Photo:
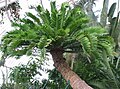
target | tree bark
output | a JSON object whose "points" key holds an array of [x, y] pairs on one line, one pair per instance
{"points": [[75, 81]]}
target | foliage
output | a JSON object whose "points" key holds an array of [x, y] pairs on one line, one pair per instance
{"points": [[114, 29], [24, 73], [65, 28], [7, 86], [109, 77], [22, 76], [21, 79], [97, 74]]}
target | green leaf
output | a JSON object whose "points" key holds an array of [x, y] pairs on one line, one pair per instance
{"points": [[53, 7], [67, 30], [61, 32], [33, 17], [111, 11], [43, 42]]}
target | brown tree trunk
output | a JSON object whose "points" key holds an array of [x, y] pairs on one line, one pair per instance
{"points": [[75, 81]]}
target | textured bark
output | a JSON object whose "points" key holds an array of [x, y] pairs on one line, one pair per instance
{"points": [[75, 81]]}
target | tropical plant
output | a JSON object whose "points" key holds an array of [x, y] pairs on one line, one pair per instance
{"points": [[98, 74], [23, 76], [24, 73], [58, 32], [114, 31]]}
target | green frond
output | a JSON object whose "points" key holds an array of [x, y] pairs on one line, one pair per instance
{"points": [[48, 31], [77, 24], [94, 40], [44, 15], [18, 42], [35, 19], [98, 85], [106, 43], [53, 7], [96, 30], [64, 27], [42, 42], [111, 11], [65, 6]]}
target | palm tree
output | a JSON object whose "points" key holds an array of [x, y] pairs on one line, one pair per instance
{"points": [[57, 32]]}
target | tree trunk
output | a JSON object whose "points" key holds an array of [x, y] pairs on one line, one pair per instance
{"points": [[75, 81]]}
